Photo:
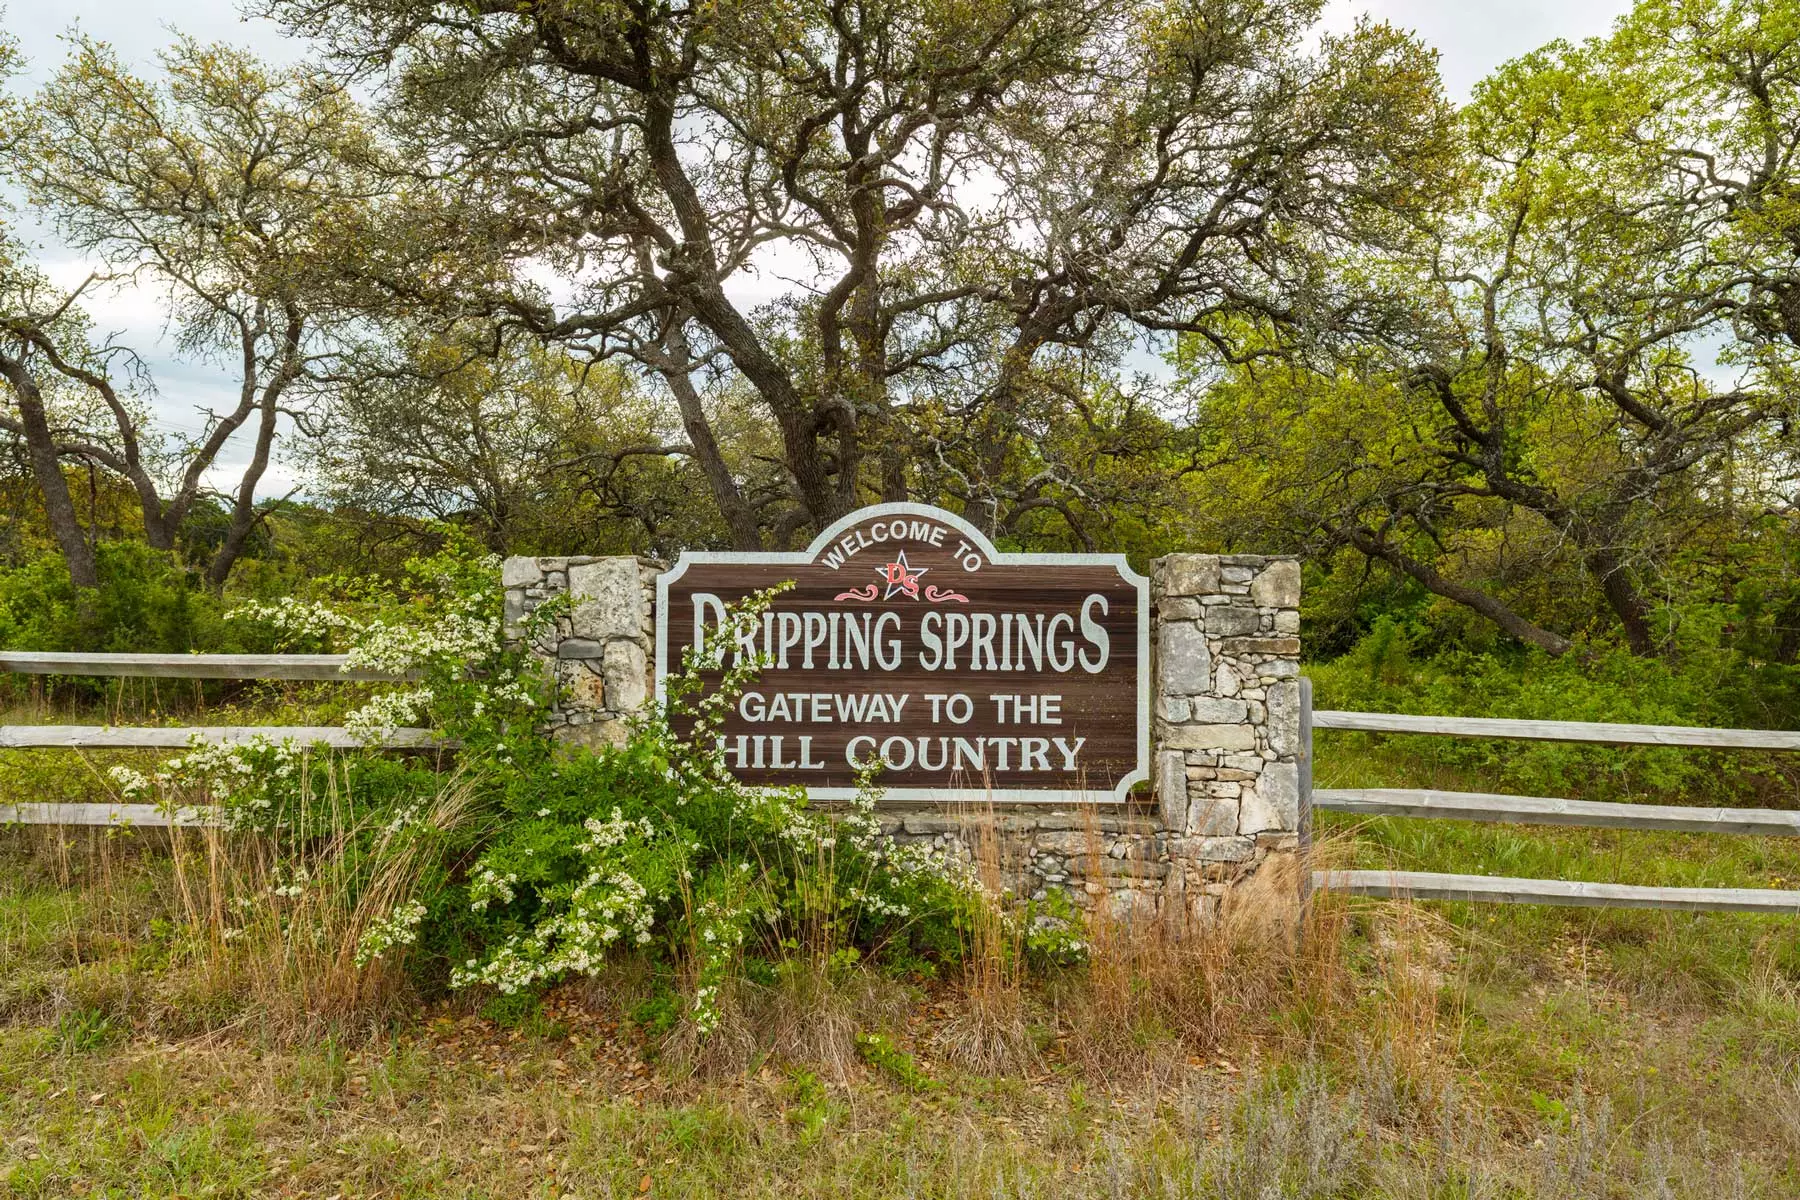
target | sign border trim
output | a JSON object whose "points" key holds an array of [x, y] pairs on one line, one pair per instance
{"points": [[830, 534]]}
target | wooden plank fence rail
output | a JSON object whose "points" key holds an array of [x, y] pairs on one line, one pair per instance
{"points": [[178, 666], [191, 666], [176, 737], [1560, 731], [1430, 885], [126, 815], [1546, 810]]}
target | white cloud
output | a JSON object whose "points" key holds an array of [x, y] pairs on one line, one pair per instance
{"points": [[136, 30]]}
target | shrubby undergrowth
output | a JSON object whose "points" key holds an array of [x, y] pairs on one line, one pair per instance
{"points": [[1400, 668], [561, 859]]}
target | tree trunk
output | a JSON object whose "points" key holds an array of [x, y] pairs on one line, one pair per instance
{"points": [[243, 507], [46, 468], [705, 297], [1623, 597], [740, 518]]}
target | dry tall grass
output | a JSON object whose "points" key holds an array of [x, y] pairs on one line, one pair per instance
{"points": [[277, 922], [989, 1032], [1156, 994]]}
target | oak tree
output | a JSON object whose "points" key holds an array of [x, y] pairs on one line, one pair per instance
{"points": [[225, 190], [869, 210]]}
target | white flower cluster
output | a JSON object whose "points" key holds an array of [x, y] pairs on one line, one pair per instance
{"points": [[457, 636], [236, 775], [400, 928], [462, 636], [604, 909], [130, 783], [719, 935], [875, 903], [291, 618], [376, 721], [489, 885], [1056, 937], [615, 831], [288, 887], [607, 907], [407, 816]]}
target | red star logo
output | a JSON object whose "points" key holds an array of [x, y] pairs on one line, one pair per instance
{"points": [[901, 576]]}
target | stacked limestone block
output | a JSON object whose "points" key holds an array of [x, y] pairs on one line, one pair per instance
{"points": [[601, 651], [1227, 726], [1107, 858]]}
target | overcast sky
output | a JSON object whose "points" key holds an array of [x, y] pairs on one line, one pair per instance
{"points": [[1472, 37]]}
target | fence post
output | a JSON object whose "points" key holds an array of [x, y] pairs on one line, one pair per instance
{"points": [[1306, 791]]}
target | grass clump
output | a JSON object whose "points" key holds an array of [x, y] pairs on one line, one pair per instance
{"points": [[880, 1052]]}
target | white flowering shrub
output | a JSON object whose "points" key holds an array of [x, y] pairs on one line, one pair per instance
{"points": [[440, 635], [653, 848], [252, 781], [399, 928], [296, 625], [657, 847]]}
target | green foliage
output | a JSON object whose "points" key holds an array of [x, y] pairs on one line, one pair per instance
{"points": [[653, 846], [84, 1030], [1709, 685], [147, 601], [523, 1011], [656, 846], [808, 1106], [658, 1013], [879, 1051]]}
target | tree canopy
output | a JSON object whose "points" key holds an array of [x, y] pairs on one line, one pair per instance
{"points": [[1136, 274], [982, 202]]}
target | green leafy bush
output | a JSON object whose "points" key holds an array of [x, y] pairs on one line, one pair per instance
{"points": [[879, 1052], [558, 858], [655, 845]]}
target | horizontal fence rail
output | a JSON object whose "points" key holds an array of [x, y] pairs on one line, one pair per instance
{"points": [[1546, 810], [177, 737], [1559, 731], [1493, 889], [125, 815], [192, 666]]}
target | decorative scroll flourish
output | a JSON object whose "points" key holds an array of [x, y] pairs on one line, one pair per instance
{"points": [[932, 592]]}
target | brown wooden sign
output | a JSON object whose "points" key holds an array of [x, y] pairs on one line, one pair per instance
{"points": [[908, 640]]}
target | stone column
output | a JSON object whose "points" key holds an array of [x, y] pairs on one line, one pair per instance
{"points": [[1227, 728], [602, 651]]}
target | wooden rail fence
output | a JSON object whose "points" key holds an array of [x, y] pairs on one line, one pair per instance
{"points": [[190, 666], [332, 667], [1544, 810], [1397, 802]]}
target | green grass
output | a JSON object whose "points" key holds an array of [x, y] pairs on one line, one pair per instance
{"points": [[1459, 1051], [404, 1119]]}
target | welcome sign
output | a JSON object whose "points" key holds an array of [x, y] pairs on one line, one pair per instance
{"points": [[909, 642]]}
